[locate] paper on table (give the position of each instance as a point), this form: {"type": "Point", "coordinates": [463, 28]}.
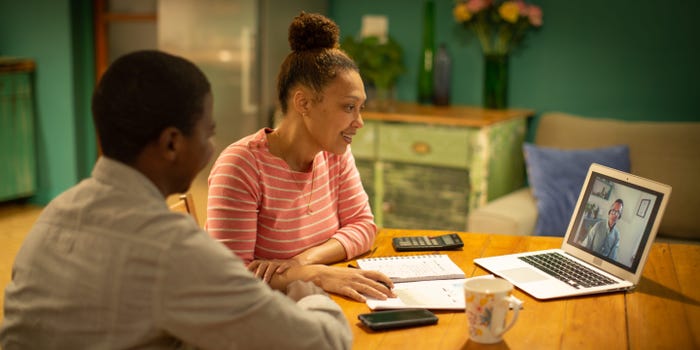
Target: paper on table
{"type": "Point", "coordinates": [410, 268]}
{"type": "Point", "coordinates": [436, 294]}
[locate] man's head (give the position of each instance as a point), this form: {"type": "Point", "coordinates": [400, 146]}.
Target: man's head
{"type": "Point", "coordinates": [152, 110]}
{"type": "Point", "coordinates": [140, 95]}
{"type": "Point", "coordinates": [615, 212]}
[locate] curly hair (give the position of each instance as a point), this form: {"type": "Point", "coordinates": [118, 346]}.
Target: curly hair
{"type": "Point", "coordinates": [316, 57]}
{"type": "Point", "coordinates": [140, 95]}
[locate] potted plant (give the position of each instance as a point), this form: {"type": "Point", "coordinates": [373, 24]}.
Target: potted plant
{"type": "Point", "coordinates": [380, 62]}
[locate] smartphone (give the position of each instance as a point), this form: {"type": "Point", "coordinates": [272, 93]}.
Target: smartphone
{"type": "Point", "coordinates": [389, 319]}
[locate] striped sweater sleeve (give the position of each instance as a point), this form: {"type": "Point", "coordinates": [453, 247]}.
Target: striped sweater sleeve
{"type": "Point", "coordinates": [232, 204]}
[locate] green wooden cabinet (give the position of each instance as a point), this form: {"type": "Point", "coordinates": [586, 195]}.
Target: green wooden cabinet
{"type": "Point", "coordinates": [17, 139]}
{"type": "Point", "coordinates": [428, 175]}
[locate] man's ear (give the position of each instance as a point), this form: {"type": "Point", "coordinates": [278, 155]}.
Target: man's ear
{"type": "Point", "coordinates": [170, 142]}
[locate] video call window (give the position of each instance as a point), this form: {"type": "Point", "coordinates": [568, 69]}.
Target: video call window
{"type": "Point", "coordinates": [633, 222]}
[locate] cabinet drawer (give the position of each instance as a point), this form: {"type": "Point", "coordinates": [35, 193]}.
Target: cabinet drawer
{"type": "Point", "coordinates": [425, 144]}
{"type": "Point", "coordinates": [363, 144]}
{"type": "Point", "coordinates": [13, 84]}
{"type": "Point", "coordinates": [425, 197]}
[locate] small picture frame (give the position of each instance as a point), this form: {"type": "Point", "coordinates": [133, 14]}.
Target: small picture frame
{"type": "Point", "coordinates": [643, 206]}
{"type": "Point", "coordinates": [602, 189]}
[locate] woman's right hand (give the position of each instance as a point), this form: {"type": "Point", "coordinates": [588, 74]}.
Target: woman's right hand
{"type": "Point", "coordinates": [352, 283]}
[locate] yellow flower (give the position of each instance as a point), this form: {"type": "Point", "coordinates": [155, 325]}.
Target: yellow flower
{"type": "Point", "coordinates": [461, 13]}
{"type": "Point", "coordinates": [509, 11]}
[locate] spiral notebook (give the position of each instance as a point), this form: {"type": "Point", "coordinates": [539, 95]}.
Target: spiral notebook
{"type": "Point", "coordinates": [410, 268]}
{"type": "Point", "coordinates": [430, 281]}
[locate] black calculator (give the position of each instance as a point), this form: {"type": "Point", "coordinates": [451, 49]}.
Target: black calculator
{"type": "Point", "coordinates": [421, 243]}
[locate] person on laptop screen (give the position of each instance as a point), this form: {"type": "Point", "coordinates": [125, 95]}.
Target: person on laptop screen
{"type": "Point", "coordinates": [594, 257]}
{"type": "Point", "coordinates": [604, 237]}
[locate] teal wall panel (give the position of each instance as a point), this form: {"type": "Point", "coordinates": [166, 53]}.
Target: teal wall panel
{"type": "Point", "coordinates": [44, 30]}
{"type": "Point", "coordinates": [633, 60]}
{"type": "Point", "coordinates": [84, 82]}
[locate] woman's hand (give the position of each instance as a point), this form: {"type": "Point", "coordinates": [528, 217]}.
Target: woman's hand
{"type": "Point", "coordinates": [352, 283]}
{"type": "Point", "coordinates": [265, 269]}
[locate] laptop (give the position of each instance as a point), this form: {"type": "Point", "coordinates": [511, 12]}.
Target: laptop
{"type": "Point", "coordinates": [596, 259]}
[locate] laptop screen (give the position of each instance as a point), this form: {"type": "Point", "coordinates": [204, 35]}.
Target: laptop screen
{"type": "Point", "coordinates": [614, 220]}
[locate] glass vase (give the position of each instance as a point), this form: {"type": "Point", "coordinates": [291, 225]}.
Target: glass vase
{"type": "Point", "coordinates": [496, 81]}
{"type": "Point", "coordinates": [425, 73]}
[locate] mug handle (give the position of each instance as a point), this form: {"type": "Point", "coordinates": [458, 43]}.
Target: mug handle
{"type": "Point", "coordinates": [515, 304]}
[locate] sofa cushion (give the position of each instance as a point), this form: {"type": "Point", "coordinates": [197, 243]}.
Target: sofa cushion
{"type": "Point", "coordinates": [556, 177]}
{"type": "Point", "coordinates": [666, 152]}
{"type": "Point", "coordinates": [512, 214]}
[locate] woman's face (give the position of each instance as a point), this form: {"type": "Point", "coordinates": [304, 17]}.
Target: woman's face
{"type": "Point", "coordinates": [333, 121]}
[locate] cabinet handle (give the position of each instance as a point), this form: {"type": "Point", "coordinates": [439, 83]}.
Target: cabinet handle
{"type": "Point", "coordinates": [421, 147]}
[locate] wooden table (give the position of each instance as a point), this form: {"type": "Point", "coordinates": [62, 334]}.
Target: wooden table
{"type": "Point", "coordinates": [663, 312]}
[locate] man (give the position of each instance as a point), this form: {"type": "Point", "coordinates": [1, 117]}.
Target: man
{"type": "Point", "coordinates": [604, 237]}
{"type": "Point", "coordinates": [108, 266]}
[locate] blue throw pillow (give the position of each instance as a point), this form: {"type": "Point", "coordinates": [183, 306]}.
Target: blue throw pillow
{"type": "Point", "coordinates": [556, 177]}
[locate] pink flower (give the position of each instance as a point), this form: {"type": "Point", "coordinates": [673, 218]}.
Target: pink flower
{"type": "Point", "coordinates": [475, 6]}
{"type": "Point", "coordinates": [534, 14]}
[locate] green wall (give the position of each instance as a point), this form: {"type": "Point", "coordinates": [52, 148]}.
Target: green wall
{"type": "Point", "coordinates": [634, 60]}
{"type": "Point", "coordinates": [56, 34]}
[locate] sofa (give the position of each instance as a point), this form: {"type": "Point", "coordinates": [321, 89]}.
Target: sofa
{"type": "Point", "coordinates": [668, 152]}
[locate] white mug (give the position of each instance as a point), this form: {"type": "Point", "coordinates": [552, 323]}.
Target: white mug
{"type": "Point", "coordinates": [487, 301]}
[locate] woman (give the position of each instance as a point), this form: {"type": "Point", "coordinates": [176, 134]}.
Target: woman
{"type": "Point", "coordinates": [289, 200]}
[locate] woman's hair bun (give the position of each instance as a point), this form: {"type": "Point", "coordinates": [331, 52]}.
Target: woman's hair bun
{"type": "Point", "coordinates": [312, 31]}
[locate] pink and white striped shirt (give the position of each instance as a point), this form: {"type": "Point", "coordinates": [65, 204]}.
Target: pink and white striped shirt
{"type": "Point", "coordinates": [260, 209]}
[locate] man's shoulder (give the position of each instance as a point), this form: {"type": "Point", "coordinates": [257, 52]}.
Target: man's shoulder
{"type": "Point", "coordinates": [117, 215]}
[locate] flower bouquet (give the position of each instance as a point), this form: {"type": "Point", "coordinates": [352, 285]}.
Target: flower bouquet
{"type": "Point", "coordinates": [500, 26]}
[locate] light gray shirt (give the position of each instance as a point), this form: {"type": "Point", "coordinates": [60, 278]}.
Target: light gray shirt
{"type": "Point", "coordinates": [603, 240]}
{"type": "Point", "coordinates": [108, 266]}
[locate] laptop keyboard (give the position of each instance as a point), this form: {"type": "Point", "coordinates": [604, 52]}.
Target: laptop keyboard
{"type": "Point", "coordinates": [567, 270]}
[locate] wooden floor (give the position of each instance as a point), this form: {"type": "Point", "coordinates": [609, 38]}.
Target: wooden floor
{"type": "Point", "coordinates": [15, 221]}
